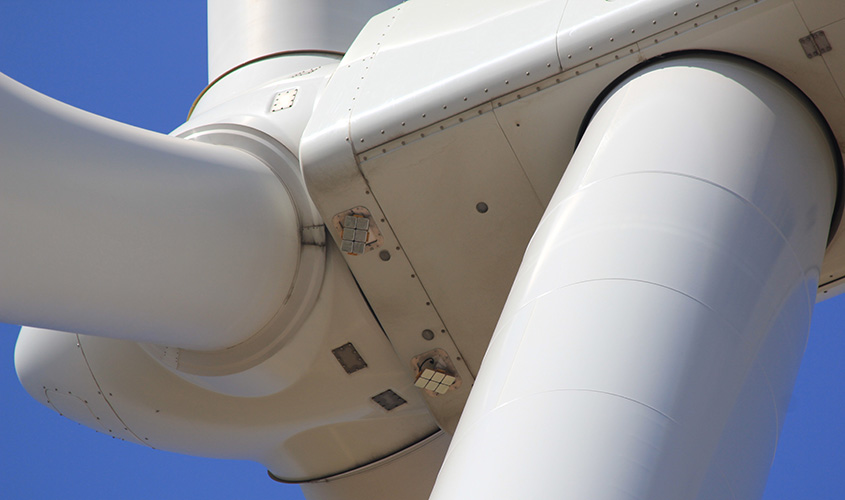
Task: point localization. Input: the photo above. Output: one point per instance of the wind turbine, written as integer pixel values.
(479, 210)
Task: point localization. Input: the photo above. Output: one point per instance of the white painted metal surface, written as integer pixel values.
(408, 475)
(685, 236)
(307, 418)
(241, 31)
(436, 109)
(115, 231)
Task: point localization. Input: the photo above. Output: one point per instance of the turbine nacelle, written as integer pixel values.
(311, 269)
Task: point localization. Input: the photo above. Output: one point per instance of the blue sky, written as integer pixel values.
(143, 63)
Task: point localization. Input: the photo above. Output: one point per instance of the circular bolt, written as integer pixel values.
(427, 334)
(481, 207)
(384, 255)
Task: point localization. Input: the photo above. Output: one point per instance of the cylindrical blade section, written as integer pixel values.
(663, 303)
(119, 232)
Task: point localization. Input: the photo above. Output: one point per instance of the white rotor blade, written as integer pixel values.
(116, 231)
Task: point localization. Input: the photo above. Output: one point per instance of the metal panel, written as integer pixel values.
(407, 476)
(52, 367)
(821, 13)
(241, 31)
(323, 422)
(541, 122)
(593, 29)
(466, 260)
(410, 83)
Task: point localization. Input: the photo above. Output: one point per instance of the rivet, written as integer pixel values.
(507, 81)
(611, 39)
(413, 275)
(527, 73)
(442, 127)
(428, 303)
(362, 139)
(462, 120)
(403, 124)
(481, 207)
(382, 131)
(423, 115)
(485, 91)
(654, 22)
(590, 47)
(569, 56)
(384, 255)
(384, 150)
(427, 334)
(444, 106)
